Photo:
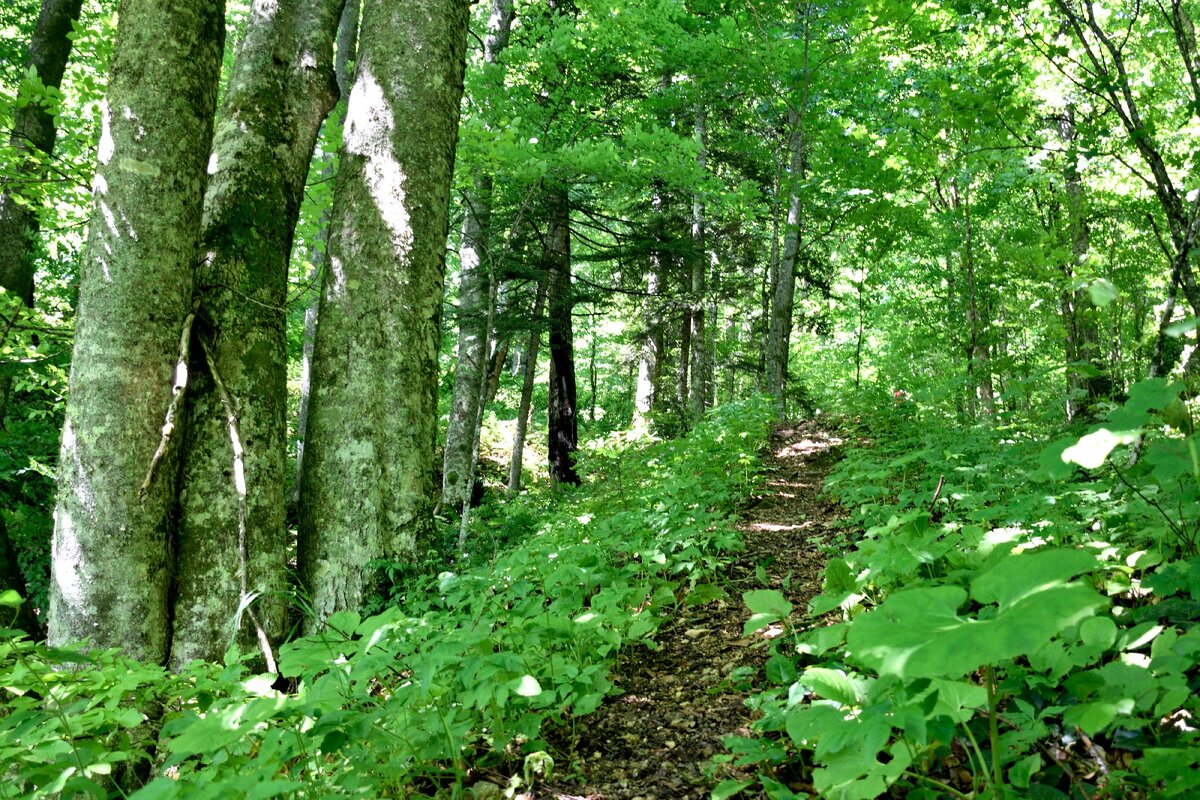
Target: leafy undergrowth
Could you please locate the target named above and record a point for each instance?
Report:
(1016, 619)
(460, 674)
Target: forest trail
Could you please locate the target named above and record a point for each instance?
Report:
(655, 740)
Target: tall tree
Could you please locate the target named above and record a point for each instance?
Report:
(367, 487)
(561, 410)
(475, 278)
(700, 351)
(32, 138)
(232, 543)
(117, 473)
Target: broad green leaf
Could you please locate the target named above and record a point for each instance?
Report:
(1102, 292)
(528, 686)
(728, 788)
(1177, 329)
(832, 684)
(1098, 632)
(767, 606)
(1092, 450)
(920, 632)
(1094, 717)
(10, 599)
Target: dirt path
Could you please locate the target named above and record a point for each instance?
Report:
(655, 740)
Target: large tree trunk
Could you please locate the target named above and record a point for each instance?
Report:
(232, 540)
(783, 291)
(650, 351)
(527, 383)
(475, 277)
(367, 487)
(346, 47)
(697, 373)
(563, 417)
(112, 559)
(32, 137)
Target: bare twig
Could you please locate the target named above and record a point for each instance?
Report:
(181, 379)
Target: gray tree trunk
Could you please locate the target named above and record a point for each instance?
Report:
(232, 539)
(783, 291)
(527, 382)
(112, 559)
(33, 135)
(346, 46)
(697, 372)
(367, 487)
(462, 431)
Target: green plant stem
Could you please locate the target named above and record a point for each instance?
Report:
(979, 765)
(994, 728)
(945, 787)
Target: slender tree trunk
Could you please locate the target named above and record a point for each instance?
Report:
(651, 349)
(527, 383)
(112, 550)
(562, 408)
(346, 46)
(783, 292)
(462, 432)
(682, 367)
(367, 487)
(1079, 314)
(697, 394)
(232, 540)
(32, 138)
(979, 365)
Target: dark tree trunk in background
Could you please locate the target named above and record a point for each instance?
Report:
(698, 398)
(527, 383)
(32, 138)
(366, 494)
(562, 411)
(112, 552)
(232, 540)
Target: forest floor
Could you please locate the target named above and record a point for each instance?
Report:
(655, 740)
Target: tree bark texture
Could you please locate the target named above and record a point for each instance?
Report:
(32, 137)
(783, 291)
(562, 410)
(112, 559)
(650, 351)
(367, 487)
(232, 539)
(475, 277)
(697, 394)
(346, 47)
(527, 383)
(472, 360)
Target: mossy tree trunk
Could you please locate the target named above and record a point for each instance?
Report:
(367, 485)
(112, 553)
(231, 537)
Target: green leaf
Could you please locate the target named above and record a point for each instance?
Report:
(528, 686)
(920, 632)
(766, 606)
(1093, 717)
(1022, 772)
(1102, 292)
(10, 599)
(780, 669)
(728, 788)
(1092, 450)
(1183, 326)
(832, 684)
